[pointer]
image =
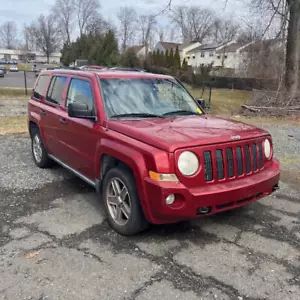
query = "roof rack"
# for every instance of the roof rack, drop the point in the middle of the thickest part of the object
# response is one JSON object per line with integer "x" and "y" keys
{"x": 98, "y": 68}
{"x": 127, "y": 69}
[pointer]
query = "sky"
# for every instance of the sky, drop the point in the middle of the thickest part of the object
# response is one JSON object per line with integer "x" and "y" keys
{"x": 25, "y": 11}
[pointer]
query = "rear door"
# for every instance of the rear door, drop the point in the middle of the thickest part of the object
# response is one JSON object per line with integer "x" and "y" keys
{"x": 80, "y": 136}
{"x": 36, "y": 103}
{"x": 51, "y": 110}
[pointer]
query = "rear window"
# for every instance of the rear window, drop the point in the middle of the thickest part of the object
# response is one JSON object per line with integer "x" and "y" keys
{"x": 41, "y": 87}
{"x": 56, "y": 89}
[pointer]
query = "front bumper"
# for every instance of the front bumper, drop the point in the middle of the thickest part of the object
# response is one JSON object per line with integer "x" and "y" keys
{"x": 217, "y": 197}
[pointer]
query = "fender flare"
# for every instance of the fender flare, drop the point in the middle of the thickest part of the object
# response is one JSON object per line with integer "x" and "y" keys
{"x": 135, "y": 162}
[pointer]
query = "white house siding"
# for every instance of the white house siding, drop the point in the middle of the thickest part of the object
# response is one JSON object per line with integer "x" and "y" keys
{"x": 184, "y": 49}
{"x": 227, "y": 56}
{"x": 231, "y": 60}
{"x": 141, "y": 53}
{"x": 196, "y": 59}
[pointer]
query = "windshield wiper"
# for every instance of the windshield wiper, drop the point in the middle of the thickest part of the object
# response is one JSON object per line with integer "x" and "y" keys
{"x": 181, "y": 112}
{"x": 136, "y": 115}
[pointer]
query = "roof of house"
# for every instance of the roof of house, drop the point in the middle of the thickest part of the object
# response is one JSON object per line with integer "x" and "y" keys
{"x": 136, "y": 49}
{"x": 233, "y": 47}
{"x": 204, "y": 47}
{"x": 259, "y": 45}
{"x": 187, "y": 44}
{"x": 169, "y": 45}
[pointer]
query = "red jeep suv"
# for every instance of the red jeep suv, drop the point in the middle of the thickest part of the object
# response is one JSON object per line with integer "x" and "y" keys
{"x": 147, "y": 146}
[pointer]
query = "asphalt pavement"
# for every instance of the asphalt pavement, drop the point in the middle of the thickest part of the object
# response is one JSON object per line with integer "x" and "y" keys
{"x": 16, "y": 80}
{"x": 55, "y": 242}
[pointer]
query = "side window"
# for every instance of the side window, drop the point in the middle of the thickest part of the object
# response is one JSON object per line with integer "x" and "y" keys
{"x": 80, "y": 91}
{"x": 56, "y": 89}
{"x": 40, "y": 89}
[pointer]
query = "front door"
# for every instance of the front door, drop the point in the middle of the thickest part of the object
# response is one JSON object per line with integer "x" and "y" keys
{"x": 79, "y": 136}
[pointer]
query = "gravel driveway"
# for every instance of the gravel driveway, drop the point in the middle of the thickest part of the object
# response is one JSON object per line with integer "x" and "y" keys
{"x": 56, "y": 244}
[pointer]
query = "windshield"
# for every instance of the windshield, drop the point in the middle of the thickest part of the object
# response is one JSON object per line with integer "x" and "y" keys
{"x": 146, "y": 98}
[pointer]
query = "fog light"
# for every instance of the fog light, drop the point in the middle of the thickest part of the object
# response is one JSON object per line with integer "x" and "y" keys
{"x": 170, "y": 199}
{"x": 204, "y": 210}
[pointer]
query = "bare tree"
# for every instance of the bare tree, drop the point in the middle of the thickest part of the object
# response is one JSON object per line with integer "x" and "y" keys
{"x": 224, "y": 31}
{"x": 194, "y": 22}
{"x": 86, "y": 11}
{"x": 46, "y": 35}
{"x": 8, "y": 33}
{"x": 292, "y": 72}
{"x": 288, "y": 11}
{"x": 127, "y": 29}
{"x": 97, "y": 25}
{"x": 64, "y": 11}
{"x": 29, "y": 38}
{"x": 146, "y": 26}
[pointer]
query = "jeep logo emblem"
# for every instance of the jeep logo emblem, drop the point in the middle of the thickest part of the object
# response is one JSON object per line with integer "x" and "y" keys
{"x": 235, "y": 137}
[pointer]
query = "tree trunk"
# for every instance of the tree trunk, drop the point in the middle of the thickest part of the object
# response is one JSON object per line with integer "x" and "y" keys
{"x": 292, "y": 80}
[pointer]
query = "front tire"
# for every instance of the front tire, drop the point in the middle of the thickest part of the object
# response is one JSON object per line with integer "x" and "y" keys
{"x": 39, "y": 153}
{"x": 122, "y": 204}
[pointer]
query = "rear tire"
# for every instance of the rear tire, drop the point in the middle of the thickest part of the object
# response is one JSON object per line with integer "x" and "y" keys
{"x": 39, "y": 153}
{"x": 121, "y": 202}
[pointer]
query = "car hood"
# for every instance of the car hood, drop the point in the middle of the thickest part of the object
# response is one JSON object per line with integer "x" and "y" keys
{"x": 183, "y": 132}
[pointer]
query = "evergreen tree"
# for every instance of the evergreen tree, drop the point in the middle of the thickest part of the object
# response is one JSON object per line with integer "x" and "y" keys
{"x": 96, "y": 47}
{"x": 171, "y": 59}
{"x": 129, "y": 59}
{"x": 177, "y": 59}
{"x": 158, "y": 58}
{"x": 166, "y": 59}
{"x": 184, "y": 65}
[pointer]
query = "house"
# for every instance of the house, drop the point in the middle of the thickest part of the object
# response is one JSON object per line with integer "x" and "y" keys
{"x": 24, "y": 55}
{"x": 166, "y": 46}
{"x": 140, "y": 51}
{"x": 184, "y": 48}
{"x": 227, "y": 56}
{"x": 202, "y": 55}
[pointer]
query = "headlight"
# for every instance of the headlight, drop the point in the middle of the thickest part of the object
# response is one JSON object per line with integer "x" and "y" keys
{"x": 267, "y": 149}
{"x": 188, "y": 163}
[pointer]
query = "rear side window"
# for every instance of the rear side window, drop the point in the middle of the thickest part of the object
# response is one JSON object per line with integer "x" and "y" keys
{"x": 41, "y": 87}
{"x": 80, "y": 91}
{"x": 56, "y": 89}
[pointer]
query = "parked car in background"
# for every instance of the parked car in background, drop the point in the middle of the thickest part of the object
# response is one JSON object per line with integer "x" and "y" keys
{"x": 145, "y": 144}
{"x": 3, "y": 68}
{"x": 13, "y": 68}
{"x": 1, "y": 73}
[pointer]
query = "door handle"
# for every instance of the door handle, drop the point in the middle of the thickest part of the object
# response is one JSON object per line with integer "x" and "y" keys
{"x": 63, "y": 120}
{"x": 43, "y": 112}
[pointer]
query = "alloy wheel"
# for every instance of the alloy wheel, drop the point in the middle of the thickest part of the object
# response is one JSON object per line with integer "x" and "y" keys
{"x": 118, "y": 201}
{"x": 37, "y": 148}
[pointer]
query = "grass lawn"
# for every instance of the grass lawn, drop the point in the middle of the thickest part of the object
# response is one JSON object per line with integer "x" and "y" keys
{"x": 17, "y": 124}
{"x": 13, "y": 92}
{"x": 223, "y": 101}
{"x": 25, "y": 67}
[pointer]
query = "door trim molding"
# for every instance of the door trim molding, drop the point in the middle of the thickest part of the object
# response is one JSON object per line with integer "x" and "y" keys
{"x": 84, "y": 178}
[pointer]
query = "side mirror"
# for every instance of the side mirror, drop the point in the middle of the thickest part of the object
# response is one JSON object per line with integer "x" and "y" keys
{"x": 201, "y": 102}
{"x": 80, "y": 110}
